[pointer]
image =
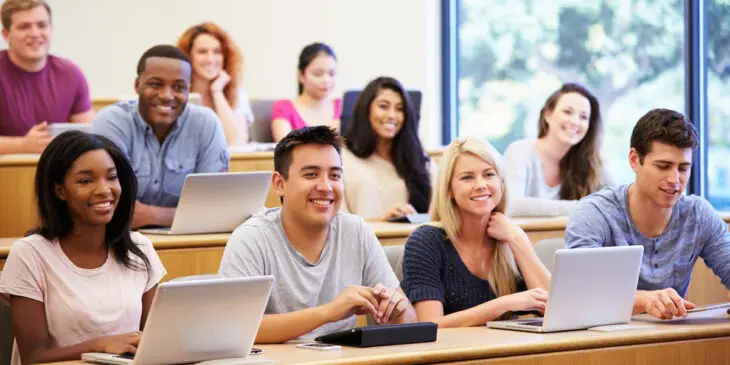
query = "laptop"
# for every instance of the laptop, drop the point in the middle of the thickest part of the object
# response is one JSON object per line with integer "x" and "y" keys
{"x": 217, "y": 202}
{"x": 199, "y": 320}
{"x": 590, "y": 287}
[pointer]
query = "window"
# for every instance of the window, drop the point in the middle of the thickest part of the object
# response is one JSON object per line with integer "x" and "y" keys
{"x": 717, "y": 63}
{"x": 512, "y": 54}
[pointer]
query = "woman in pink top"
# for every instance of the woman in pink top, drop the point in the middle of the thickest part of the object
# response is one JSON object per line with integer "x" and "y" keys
{"x": 81, "y": 282}
{"x": 313, "y": 106}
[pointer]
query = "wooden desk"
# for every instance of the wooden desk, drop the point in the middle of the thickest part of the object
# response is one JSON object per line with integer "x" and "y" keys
{"x": 702, "y": 340}
{"x": 17, "y": 198}
{"x": 201, "y": 254}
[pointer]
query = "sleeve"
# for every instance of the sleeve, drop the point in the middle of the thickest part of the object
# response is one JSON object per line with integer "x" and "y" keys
{"x": 281, "y": 109}
{"x": 715, "y": 241}
{"x": 516, "y": 169}
{"x": 110, "y": 122}
{"x": 377, "y": 269}
{"x": 23, "y": 274}
{"x": 243, "y": 255}
{"x": 82, "y": 101}
{"x": 338, "y": 109}
{"x": 157, "y": 269}
{"x": 423, "y": 265}
{"x": 243, "y": 106}
{"x": 213, "y": 156}
{"x": 586, "y": 227}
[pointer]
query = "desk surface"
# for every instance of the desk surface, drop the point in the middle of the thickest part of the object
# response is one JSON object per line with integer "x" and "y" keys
{"x": 382, "y": 230}
{"x": 482, "y": 343}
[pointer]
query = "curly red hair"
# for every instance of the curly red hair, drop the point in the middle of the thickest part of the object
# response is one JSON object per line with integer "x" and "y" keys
{"x": 232, "y": 57}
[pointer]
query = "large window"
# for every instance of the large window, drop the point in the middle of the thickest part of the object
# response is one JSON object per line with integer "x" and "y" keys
{"x": 717, "y": 62}
{"x": 512, "y": 54}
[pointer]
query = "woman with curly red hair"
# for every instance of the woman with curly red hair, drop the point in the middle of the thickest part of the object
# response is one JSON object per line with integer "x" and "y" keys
{"x": 217, "y": 69}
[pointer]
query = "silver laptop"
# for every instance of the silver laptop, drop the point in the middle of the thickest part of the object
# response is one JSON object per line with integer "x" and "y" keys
{"x": 589, "y": 287}
{"x": 199, "y": 320}
{"x": 217, "y": 202}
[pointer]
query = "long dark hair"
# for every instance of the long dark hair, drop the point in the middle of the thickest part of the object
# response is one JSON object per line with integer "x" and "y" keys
{"x": 55, "y": 219}
{"x": 581, "y": 167}
{"x": 308, "y": 54}
{"x": 409, "y": 158}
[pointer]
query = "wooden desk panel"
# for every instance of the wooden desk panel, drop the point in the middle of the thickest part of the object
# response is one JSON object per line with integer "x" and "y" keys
{"x": 704, "y": 339}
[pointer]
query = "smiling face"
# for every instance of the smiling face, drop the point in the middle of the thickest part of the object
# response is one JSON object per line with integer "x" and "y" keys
{"x": 91, "y": 189}
{"x": 318, "y": 78}
{"x": 207, "y": 57}
{"x": 475, "y": 186}
{"x": 314, "y": 188}
{"x": 568, "y": 122}
{"x": 387, "y": 114}
{"x": 29, "y": 35}
{"x": 163, "y": 90}
{"x": 664, "y": 174}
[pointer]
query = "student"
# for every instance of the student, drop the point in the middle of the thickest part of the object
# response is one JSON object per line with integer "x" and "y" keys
{"x": 36, "y": 88}
{"x": 81, "y": 281}
{"x": 473, "y": 265}
{"x": 548, "y": 175}
{"x": 313, "y": 106}
{"x": 328, "y": 266}
{"x": 675, "y": 229}
{"x": 387, "y": 169}
{"x": 217, "y": 69}
{"x": 164, "y": 137}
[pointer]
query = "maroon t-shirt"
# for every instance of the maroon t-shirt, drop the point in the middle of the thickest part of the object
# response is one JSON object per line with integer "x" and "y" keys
{"x": 52, "y": 94}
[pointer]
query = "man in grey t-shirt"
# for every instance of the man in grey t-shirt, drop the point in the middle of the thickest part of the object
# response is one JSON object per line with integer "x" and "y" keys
{"x": 674, "y": 229}
{"x": 328, "y": 266}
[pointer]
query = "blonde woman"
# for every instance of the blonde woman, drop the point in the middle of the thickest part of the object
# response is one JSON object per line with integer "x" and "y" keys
{"x": 472, "y": 265}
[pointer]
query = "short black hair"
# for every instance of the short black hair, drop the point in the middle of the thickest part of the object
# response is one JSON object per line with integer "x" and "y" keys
{"x": 55, "y": 219}
{"x": 164, "y": 51}
{"x": 320, "y": 135}
{"x": 665, "y": 126}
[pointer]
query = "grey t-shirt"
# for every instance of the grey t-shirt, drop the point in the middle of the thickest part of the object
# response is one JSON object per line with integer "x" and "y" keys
{"x": 351, "y": 256}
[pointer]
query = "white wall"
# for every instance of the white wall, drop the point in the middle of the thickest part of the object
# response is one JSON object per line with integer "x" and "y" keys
{"x": 399, "y": 38}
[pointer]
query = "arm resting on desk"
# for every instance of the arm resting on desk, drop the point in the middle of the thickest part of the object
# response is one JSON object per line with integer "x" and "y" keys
{"x": 433, "y": 311}
{"x": 278, "y": 328}
{"x": 150, "y": 215}
{"x": 10, "y": 145}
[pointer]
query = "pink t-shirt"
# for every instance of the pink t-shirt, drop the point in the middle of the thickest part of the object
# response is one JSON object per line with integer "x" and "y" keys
{"x": 285, "y": 109}
{"x": 81, "y": 304}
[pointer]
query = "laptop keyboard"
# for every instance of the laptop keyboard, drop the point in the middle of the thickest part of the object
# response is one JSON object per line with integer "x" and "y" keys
{"x": 127, "y": 355}
{"x": 536, "y": 322}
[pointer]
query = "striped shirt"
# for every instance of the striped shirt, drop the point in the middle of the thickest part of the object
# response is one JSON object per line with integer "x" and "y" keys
{"x": 694, "y": 230}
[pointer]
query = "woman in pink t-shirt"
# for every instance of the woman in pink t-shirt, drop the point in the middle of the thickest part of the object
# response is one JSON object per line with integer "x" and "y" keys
{"x": 313, "y": 106}
{"x": 81, "y": 282}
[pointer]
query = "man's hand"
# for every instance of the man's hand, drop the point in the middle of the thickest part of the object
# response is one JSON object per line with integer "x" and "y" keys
{"x": 392, "y": 303}
{"x": 665, "y": 304}
{"x": 354, "y": 300}
{"x": 37, "y": 138}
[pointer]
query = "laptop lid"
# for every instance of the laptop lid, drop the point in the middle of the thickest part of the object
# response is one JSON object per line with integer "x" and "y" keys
{"x": 592, "y": 287}
{"x": 192, "y": 321}
{"x": 219, "y": 202}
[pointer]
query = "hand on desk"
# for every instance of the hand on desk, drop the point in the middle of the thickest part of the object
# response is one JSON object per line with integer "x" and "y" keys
{"x": 381, "y": 303}
{"x": 118, "y": 344}
{"x": 398, "y": 210}
{"x": 528, "y": 300}
{"x": 664, "y": 304}
{"x": 37, "y": 138}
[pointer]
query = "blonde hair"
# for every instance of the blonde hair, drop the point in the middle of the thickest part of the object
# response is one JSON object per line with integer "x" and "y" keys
{"x": 11, "y": 7}
{"x": 502, "y": 272}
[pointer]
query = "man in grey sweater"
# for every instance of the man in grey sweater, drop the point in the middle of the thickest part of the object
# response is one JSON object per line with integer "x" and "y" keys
{"x": 674, "y": 229}
{"x": 328, "y": 266}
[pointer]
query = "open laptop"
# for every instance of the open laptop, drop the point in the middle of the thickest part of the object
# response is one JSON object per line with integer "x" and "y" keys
{"x": 199, "y": 320}
{"x": 589, "y": 287}
{"x": 217, "y": 202}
